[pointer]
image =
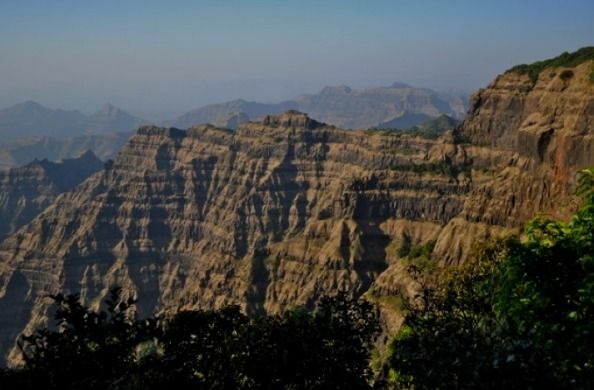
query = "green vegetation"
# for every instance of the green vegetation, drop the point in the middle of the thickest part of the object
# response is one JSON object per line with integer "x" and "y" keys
{"x": 418, "y": 257}
{"x": 568, "y": 60}
{"x": 327, "y": 349}
{"x": 519, "y": 314}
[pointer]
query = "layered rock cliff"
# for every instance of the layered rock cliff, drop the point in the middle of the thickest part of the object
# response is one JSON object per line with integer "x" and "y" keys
{"x": 284, "y": 211}
{"x": 28, "y": 190}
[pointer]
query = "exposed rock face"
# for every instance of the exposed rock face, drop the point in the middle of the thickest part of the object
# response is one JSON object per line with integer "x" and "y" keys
{"x": 398, "y": 105}
{"x": 284, "y": 211}
{"x": 28, "y": 190}
{"x": 534, "y": 137}
{"x": 275, "y": 214}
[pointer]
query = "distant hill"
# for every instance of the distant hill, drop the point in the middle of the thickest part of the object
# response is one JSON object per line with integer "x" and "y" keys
{"x": 232, "y": 120}
{"x": 215, "y": 113}
{"x": 398, "y": 105}
{"x": 111, "y": 119}
{"x": 406, "y": 121}
{"x": 32, "y": 119}
{"x": 437, "y": 126}
{"x": 431, "y": 128}
{"x": 26, "y": 150}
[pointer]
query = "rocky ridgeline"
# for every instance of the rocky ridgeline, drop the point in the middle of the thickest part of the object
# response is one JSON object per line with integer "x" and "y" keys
{"x": 281, "y": 212}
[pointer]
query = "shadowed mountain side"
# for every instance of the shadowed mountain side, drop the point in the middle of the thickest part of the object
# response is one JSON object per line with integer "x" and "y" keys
{"x": 27, "y": 190}
{"x": 26, "y": 150}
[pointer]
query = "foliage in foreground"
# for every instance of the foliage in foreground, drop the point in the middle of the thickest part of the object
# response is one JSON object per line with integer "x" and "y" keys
{"x": 520, "y": 314}
{"x": 325, "y": 349}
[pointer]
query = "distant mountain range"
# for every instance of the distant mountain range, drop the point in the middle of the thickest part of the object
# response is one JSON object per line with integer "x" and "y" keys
{"x": 25, "y": 150}
{"x": 32, "y": 119}
{"x": 29, "y": 130}
{"x": 398, "y": 105}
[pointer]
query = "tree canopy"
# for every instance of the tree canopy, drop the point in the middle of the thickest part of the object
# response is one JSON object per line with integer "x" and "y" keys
{"x": 519, "y": 314}
{"x": 328, "y": 348}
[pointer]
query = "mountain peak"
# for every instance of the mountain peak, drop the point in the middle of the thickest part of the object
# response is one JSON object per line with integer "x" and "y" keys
{"x": 111, "y": 111}
{"x": 291, "y": 119}
{"x": 27, "y": 106}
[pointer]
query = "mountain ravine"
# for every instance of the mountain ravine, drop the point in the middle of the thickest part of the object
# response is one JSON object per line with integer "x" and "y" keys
{"x": 284, "y": 211}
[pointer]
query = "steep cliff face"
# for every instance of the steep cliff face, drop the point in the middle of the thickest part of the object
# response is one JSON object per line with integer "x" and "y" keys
{"x": 276, "y": 214}
{"x": 534, "y": 135}
{"x": 284, "y": 211}
{"x": 28, "y": 190}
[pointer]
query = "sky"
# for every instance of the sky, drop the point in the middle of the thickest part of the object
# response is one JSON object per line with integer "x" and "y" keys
{"x": 164, "y": 57}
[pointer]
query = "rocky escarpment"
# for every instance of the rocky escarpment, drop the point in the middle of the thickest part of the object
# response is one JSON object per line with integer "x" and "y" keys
{"x": 275, "y": 214}
{"x": 283, "y": 211}
{"x": 28, "y": 190}
{"x": 534, "y": 134}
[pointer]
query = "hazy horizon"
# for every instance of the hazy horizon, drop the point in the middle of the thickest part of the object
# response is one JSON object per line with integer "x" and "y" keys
{"x": 165, "y": 58}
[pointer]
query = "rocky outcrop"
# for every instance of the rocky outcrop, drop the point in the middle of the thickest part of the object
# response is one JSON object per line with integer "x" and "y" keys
{"x": 283, "y": 211}
{"x": 28, "y": 190}
{"x": 533, "y": 135}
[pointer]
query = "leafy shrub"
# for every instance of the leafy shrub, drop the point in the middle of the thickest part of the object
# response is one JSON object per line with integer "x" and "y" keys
{"x": 520, "y": 314}
{"x": 328, "y": 348}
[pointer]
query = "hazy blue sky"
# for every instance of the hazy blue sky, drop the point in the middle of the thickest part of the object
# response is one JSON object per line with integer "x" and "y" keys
{"x": 174, "y": 55}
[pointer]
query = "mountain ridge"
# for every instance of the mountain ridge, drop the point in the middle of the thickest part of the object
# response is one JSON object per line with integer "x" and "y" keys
{"x": 29, "y": 119}
{"x": 343, "y": 106}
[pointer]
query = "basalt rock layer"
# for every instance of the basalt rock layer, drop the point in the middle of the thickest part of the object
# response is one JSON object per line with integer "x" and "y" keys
{"x": 284, "y": 211}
